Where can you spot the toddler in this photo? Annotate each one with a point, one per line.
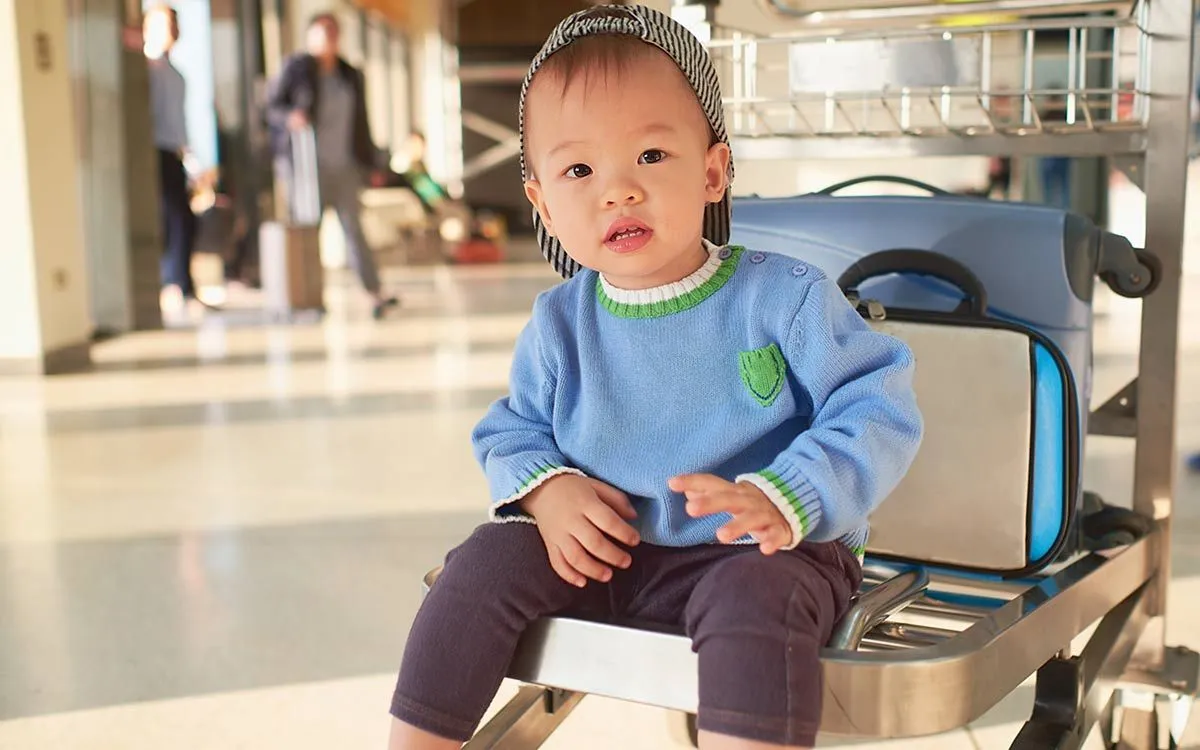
(695, 433)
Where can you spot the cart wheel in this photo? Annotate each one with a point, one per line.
(1137, 287)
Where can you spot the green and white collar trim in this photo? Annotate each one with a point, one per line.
(677, 296)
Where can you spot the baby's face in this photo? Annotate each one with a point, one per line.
(622, 170)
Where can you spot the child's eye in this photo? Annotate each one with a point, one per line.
(577, 171)
(653, 156)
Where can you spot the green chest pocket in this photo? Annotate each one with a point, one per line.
(763, 372)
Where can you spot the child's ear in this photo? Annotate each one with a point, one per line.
(716, 172)
(533, 191)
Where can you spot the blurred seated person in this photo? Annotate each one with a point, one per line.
(408, 170)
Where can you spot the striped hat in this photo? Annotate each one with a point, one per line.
(667, 34)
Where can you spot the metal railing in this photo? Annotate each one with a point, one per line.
(891, 13)
(960, 81)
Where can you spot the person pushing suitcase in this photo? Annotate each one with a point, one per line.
(317, 88)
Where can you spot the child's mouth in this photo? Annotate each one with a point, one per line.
(627, 236)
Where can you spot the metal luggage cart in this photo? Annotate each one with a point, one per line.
(923, 650)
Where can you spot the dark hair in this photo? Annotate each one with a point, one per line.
(326, 18)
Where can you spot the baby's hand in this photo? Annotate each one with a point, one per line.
(574, 514)
(753, 512)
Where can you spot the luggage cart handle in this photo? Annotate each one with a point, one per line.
(924, 263)
(885, 178)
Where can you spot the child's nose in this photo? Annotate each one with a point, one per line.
(623, 195)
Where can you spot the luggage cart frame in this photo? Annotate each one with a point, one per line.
(922, 653)
(1143, 129)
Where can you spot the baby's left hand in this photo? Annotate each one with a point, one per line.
(753, 512)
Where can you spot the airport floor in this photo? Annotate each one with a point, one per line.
(215, 539)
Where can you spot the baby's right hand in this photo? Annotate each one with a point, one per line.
(574, 514)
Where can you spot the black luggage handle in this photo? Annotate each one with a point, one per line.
(924, 263)
(890, 179)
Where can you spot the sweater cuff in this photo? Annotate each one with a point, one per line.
(793, 496)
(505, 510)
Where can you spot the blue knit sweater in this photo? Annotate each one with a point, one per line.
(755, 368)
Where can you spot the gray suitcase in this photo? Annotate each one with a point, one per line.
(293, 278)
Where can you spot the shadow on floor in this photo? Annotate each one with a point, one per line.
(268, 410)
(258, 359)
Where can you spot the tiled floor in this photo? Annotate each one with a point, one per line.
(215, 539)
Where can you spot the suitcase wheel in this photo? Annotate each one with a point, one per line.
(1139, 283)
(1109, 526)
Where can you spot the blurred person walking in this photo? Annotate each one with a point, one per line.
(317, 88)
(168, 91)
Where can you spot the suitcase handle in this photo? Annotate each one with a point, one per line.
(924, 263)
(890, 179)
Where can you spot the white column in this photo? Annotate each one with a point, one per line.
(400, 76)
(96, 71)
(439, 105)
(44, 318)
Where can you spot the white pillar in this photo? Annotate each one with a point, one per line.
(97, 75)
(45, 326)
(439, 104)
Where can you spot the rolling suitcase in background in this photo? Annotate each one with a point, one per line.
(293, 278)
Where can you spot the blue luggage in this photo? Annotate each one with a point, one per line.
(1038, 264)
